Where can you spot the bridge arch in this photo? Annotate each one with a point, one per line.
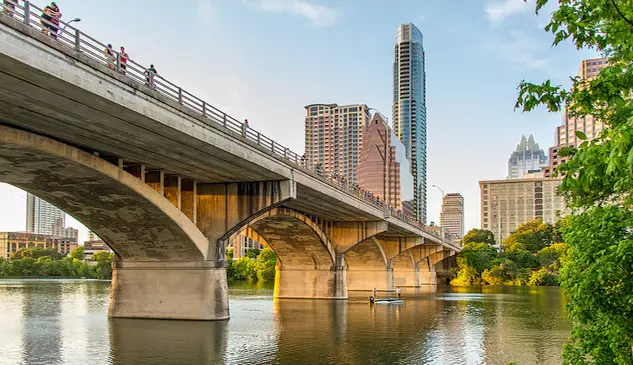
(297, 240)
(136, 221)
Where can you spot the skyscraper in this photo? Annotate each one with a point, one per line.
(409, 107)
(334, 137)
(383, 168)
(565, 135)
(452, 215)
(528, 156)
(43, 218)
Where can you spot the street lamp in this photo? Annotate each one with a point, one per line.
(73, 20)
(440, 189)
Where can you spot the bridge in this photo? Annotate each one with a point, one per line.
(167, 181)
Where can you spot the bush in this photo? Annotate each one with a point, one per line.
(543, 277)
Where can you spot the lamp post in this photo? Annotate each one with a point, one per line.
(72, 20)
(441, 224)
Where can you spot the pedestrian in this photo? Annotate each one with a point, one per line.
(123, 57)
(303, 160)
(50, 20)
(109, 56)
(9, 7)
(150, 73)
(375, 293)
(244, 127)
(398, 292)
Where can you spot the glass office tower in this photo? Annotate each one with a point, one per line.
(409, 107)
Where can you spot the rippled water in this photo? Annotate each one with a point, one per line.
(65, 322)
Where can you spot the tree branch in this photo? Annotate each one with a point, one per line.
(619, 12)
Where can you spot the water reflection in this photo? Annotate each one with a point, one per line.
(65, 321)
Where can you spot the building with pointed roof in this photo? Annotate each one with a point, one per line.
(527, 157)
(384, 169)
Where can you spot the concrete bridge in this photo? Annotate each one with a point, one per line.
(167, 181)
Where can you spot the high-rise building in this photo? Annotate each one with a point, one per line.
(527, 157)
(565, 134)
(70, 232)
(334, 137)
(384, 169)
(409, 107)
(44, 218)
(506, 204)
(452, 215)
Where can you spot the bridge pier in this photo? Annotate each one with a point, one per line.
(309, 283)
(194, 290)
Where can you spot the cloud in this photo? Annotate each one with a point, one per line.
(499, 10)
(318, 15)
(522, 50)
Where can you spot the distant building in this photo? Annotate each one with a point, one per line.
(409, 107)
(334, 137)
(44, 218)
(506, 204)
(452, 216)
(91, 247)
(384, 169)
(70, 232)
(11, 242)
(527, 156)
(565, 134)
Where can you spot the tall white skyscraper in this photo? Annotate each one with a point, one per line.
(44, 218)
(528, 156)
(409, 108)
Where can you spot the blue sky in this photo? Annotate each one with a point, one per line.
(266, 59)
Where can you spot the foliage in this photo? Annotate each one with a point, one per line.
(479, 236)
(551, 255)
(598, 282)
(36, 252)
(252, 253)
(596, 272)
(260, 269)
(543, 276)
(53, 266)
(531, 236)
(77, 253)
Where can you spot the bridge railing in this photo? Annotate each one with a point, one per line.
(72, 37)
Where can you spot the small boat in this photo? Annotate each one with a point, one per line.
(386, 300)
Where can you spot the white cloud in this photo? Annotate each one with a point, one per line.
(318, 15)
(499, 10)
(523, 50)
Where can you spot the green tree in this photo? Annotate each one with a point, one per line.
(266, 263)
(252, 253)
(103, 267)
(36, 252)
(597, 272)
(531, 236)
(474, 258)
(77, 253)
(479, 235)
(551, 255)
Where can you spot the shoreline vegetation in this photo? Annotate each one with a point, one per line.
(531, 255)
(37, 262)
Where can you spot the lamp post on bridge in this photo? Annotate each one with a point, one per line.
(67, 24)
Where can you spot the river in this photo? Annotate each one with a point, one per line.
(65, 322)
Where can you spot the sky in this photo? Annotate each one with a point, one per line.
(266, 59)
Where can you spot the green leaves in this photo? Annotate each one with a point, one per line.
(581, 135)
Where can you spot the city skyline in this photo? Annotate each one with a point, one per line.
(486, 31)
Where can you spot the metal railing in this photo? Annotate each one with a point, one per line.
(75, 39)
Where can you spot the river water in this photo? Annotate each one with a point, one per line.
(65, 322)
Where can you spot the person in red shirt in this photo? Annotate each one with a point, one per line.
(123, 57)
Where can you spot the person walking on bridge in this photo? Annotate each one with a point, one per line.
(50, 19)
(150, 73)
(123, 57)
(9, 7)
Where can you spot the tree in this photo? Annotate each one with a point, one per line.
(596, 275)
(531, 236)
(252, 253)
(266, 263)
(479, 235)
(77, 253)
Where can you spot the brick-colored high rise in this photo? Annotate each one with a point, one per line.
(566, 133)
(334, 137)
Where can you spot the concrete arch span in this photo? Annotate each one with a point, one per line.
(137, 222)
(368, 267)
(161, 270)
(306, 265)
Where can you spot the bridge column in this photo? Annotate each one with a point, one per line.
(399, 258)
(366, 267)
(426, 270)
(194, 290)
